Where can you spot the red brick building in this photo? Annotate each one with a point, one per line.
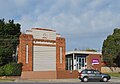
(79, 60)
(42, 52)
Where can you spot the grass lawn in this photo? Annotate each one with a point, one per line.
(114, 74)
(6, 80)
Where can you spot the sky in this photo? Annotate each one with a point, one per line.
(83, 23)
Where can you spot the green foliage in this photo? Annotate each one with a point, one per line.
(111, 49)
(92, 50)
(9, 39)
(9, 28)
(11, 69)
(5, 55)
(1, 71)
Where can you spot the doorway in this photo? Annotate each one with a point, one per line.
(69, 64)
(81, 63)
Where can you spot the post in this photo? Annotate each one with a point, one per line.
(74, 62)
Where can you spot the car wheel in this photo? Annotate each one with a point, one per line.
(105, 79)
(85, 79)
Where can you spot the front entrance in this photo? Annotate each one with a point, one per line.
(81, 63)
(69, 64)
(76, 62)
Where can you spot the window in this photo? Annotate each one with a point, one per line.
(60, 55)
(84, 71)
(96, 72)
(26, 54)
(69, 63)
(89, 72)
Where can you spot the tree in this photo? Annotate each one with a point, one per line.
(111, 49)
(9, 39)
(92, 50)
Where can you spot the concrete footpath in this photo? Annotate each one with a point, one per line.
(48, 80)
(18, 79)
(113, 79)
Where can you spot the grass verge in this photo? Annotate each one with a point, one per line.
(114, 74)
(6, 80)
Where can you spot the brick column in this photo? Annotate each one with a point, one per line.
(26, 39)
(60, 42)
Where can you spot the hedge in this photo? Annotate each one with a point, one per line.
(11, 69)
(1, 71)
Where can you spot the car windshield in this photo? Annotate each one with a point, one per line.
(89, 72)
(84, 71)
(96, 72)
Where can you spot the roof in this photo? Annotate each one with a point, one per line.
(45, 29)
(83, 52)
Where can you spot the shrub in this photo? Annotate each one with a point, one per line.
(1, 71)
(11, 69)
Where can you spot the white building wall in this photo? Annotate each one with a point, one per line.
(42, 34)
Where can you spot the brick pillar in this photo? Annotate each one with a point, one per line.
(60, 43)
(26, 39)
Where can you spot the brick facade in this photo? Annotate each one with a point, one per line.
(27, 69)
(79, 60)
(89, 59)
